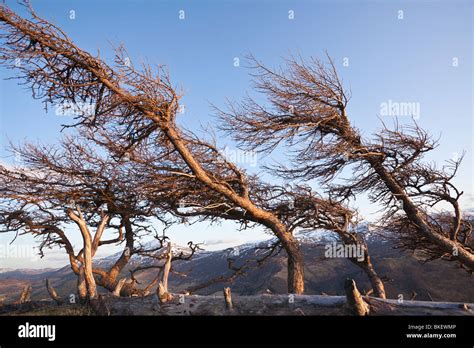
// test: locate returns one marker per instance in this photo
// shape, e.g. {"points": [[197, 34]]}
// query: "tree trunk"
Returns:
{"points": [[88, 275], [377, 284], [162, 290], [81, 285], [52, 292], [375, 281], [109, 281], [167, 267], [277, 305], [163, 295], [295, 273], [87, 252]]}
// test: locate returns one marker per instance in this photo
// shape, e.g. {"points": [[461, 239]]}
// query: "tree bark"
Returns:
{"points": [[86, 253], [81, 285], [167, 267], [295, 273]]}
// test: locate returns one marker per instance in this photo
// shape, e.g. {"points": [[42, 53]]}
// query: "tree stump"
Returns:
{"points": [[163, 295], [355, 302], [119, 286], [228, 299], [25, 295]]}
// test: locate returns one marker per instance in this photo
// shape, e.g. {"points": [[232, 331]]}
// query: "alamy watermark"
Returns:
{"points": [[75, 109], [347, 251], [18, 251], [240, 156], [396, 109], [28, 330]]}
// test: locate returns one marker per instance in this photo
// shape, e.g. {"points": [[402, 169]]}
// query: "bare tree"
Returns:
{"points": [[297, 207], [307, 110], [135, 109], [131, 106], [74, 184], [311, 212], [165, 258]]}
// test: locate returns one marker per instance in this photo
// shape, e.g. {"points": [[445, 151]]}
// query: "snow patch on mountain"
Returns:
{"points": [[314, 237]]}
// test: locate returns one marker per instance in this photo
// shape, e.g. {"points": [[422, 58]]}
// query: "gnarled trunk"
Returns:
{"points": [[88, 275], [109, 281], [81, 285], [87, 253]]}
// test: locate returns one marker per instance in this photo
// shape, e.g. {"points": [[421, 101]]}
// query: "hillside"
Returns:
{"points": [[403, 274]]}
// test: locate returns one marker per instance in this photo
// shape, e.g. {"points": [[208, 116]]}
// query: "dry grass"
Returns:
{"points": [[51, 309]]}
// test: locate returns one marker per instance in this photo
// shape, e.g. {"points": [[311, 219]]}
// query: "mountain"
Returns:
{"points": [[468, 213], [403, 273]]}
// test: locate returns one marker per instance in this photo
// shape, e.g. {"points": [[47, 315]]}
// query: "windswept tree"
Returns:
{"points": [[58, 187], [310, 212], [298, 207], [134, 108], [306, 109], [130, 105]]}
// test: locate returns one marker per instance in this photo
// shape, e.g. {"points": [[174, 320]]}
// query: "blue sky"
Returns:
{"points": [[407, 59]]}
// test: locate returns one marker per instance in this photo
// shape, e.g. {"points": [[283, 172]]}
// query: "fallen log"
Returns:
{"points": [[395, 307], [99, 306], [264, 305], [270, 305], [181, 304]]}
